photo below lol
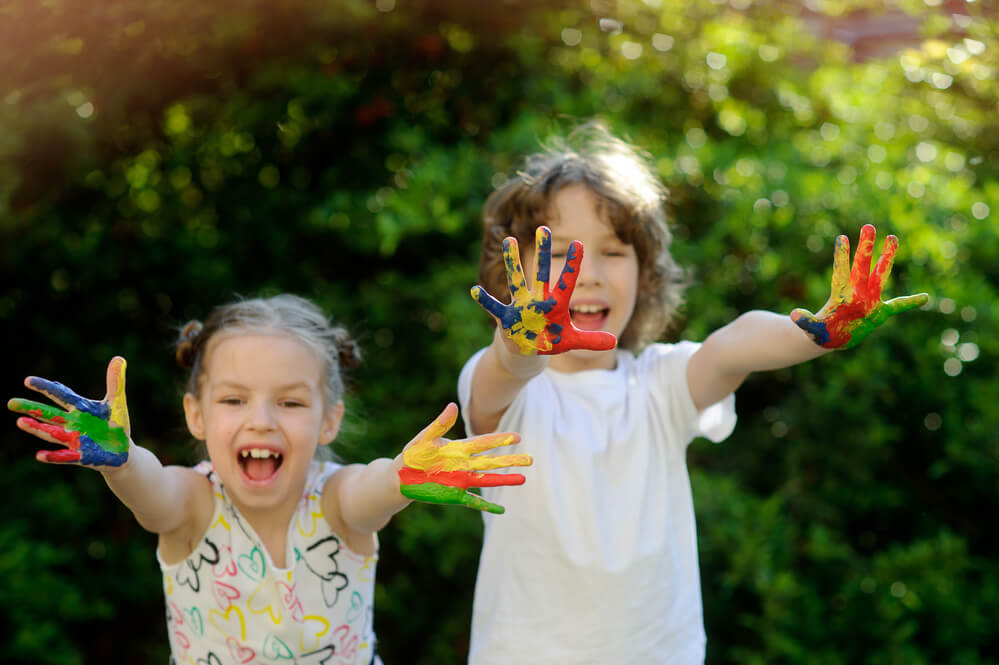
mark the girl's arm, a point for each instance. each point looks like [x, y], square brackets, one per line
[96, 434]
[430, 468]
[535, 324]
[759, 341]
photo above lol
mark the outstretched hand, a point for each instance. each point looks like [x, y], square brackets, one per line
[537, 319]
[441, 471]
[95, 433]
[854, 308]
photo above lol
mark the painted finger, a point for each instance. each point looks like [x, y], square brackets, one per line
[463, 479]
[487, 442]
[487, 462]
[542, 256]
[570, 271]
[815, 329]
[841, 264]
[44, 431]
[443, 494]
[514, 271]
[58, 456]
[593, 340]
[44, 412]
[116, 393]
[66, 398]
[440, 425]
[862, 259]
[905, 303]
[488, 303]
[883, 268]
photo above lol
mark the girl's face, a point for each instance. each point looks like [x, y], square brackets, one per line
[605, 294]
[261, 414]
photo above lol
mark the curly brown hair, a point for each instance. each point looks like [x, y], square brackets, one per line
[630, 197]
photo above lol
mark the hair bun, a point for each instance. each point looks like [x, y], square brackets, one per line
[189, 343]
[348, 352]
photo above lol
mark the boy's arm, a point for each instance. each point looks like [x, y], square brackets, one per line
[96, 434]
[756, 341]
[499, 376]
[759, 341]
[430, 469]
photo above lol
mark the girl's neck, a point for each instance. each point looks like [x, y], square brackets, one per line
[271, 527]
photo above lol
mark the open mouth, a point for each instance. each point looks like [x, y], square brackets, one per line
[589, 317]
[259, 464]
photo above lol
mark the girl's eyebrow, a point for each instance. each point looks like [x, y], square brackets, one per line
[234, 385]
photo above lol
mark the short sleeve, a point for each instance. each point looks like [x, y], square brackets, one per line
[667, 367]
[465, 389]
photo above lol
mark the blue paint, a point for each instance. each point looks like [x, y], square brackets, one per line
[568, 268]
[544, 246]
[64, 395]
[92, 454]
[817, 329]
[544, 306]
[555, 330]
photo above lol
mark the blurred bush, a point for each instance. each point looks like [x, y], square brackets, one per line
[158, 157]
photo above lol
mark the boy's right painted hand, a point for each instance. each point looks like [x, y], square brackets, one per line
[95, 433]
[441, 471]
[537, 319]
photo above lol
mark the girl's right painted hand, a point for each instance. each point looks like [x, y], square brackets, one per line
[95, 433]
[537, 319]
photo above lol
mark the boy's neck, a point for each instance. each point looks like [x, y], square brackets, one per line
[581, 361]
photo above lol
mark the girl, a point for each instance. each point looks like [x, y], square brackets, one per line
[596, 561]
[267, 553]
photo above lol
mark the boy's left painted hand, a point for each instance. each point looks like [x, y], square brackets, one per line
[538, 319]
[441, 471]
[854, 308]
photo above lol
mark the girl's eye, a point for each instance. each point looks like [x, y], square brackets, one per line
[231, 401]
[292, 403]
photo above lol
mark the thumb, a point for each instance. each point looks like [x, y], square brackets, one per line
[116, 393]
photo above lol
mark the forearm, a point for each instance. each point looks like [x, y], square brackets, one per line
[151, 491]
[756, 341]
[369, 495]
[759, 341]
[499, 376]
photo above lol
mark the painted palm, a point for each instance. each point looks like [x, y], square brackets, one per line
[441, 471]
[537, 318]
[855, 308]
[94, 433]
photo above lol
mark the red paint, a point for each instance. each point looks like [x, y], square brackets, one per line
[464, 479]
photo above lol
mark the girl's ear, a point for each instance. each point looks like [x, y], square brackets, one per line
[195, 418]
[331, 424]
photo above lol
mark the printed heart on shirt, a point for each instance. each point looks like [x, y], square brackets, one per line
[242, 654]
[210, 659]
[226, 566]
[225, 594]
[290, 601]
[275, 649]
[230, 627]
[314, 627]
[187, 572]
[252, 564]
[322, 656]
[260, 601]
[194, 619]
[356, 607]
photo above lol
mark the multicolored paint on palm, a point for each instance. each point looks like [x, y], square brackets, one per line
[537, 318]
[440, 471]
[95, 433]
[854, 308]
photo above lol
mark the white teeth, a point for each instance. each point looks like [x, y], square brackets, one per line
[257, 453]
[588, 309]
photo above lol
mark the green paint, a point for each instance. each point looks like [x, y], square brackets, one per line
[110, 437]
[445, 494]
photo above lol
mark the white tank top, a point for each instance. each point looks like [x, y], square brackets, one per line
[228, 604]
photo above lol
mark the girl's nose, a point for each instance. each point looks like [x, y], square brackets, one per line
[261, 417]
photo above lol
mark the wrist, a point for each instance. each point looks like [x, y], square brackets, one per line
[513, 362]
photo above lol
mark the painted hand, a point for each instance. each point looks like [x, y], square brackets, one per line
[538, 319]
[94, 433]
[441, 471]
[854, 308]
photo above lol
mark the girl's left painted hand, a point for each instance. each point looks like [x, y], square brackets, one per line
[538, 319]
[441, 471]
[95, 433]
[854, 308]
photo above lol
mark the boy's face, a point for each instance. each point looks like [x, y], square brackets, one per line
[605, 294]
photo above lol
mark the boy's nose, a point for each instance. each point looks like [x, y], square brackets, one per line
[590, 271]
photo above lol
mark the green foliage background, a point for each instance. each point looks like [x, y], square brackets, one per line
[157, 157]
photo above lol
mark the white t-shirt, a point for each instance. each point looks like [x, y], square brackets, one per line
[595, 559]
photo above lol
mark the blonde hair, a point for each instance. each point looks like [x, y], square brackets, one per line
[629, 196]
[285, 313]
